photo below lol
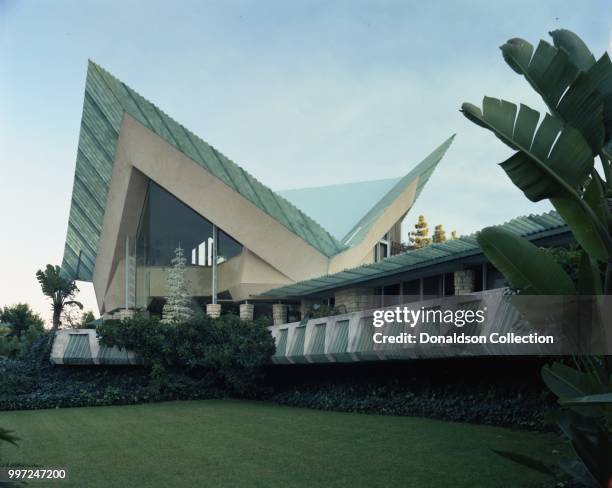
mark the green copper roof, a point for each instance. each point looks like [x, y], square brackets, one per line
[106, 100]
[422, 171]
[530, 227]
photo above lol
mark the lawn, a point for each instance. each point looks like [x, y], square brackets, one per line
[236, 443]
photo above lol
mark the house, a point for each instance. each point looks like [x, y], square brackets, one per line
[317, 260]
[145, 185]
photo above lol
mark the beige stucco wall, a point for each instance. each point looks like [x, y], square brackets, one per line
[123, 207]
[274, 256]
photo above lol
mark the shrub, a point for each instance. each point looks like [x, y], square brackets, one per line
[32, 382]
[21, 319]
[21, 326]
[225, 353]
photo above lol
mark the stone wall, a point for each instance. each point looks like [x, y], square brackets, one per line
[354, 299]
[279, 313]
[465, 281]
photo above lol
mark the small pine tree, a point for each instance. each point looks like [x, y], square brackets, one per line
[420, 237]
[178, 302]
[439, 234]
[453, 235]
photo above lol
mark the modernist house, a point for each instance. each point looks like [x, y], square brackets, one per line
[145, 185]
[316, 259]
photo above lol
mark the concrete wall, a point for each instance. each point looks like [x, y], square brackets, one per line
[62, 337]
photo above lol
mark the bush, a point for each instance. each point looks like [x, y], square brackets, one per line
[32, 382]
[225, 353]
[21, 319]
[21, 326]
[493, 391]
[205, 358]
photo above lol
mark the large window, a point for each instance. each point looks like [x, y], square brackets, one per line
[168, 223]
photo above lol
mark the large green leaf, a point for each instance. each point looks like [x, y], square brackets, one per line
[595, 453]
[579, 472]
[579, 223]
[577, 50]
[601, 75]
[601, 399]
[526, 266]
[552, 162]
[529, 462]
[595, 197]
[566, 382]
[571, 94]
[589, 276]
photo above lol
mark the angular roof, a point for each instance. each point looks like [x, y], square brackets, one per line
[531, 227]
[339, 207]
[349, 210]
[106, 100]
[422, 171]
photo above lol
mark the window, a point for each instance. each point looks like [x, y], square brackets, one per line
[168, 223]
[165, 224]
[432, 286]
[411, 291]
[381, 250]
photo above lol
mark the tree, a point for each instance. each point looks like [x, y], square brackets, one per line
[19, 327]
[77, 319]
[20, 318]
[178, 302]
[59, 289]
[86, 318]
[555, 160]
[439, 234]
[420, 237]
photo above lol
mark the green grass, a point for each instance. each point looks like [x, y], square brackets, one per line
[235, 443]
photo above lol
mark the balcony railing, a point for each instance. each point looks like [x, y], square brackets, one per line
[350, 337]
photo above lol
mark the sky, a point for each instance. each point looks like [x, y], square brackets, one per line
[300, 93]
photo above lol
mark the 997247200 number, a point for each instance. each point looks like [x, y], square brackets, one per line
[32, 474]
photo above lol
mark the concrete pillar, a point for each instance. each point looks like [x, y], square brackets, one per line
[247, 310]
[354, 299]
[213, 310]
[465, 281]
[279, 313]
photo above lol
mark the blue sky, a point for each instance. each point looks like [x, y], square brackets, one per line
[300, 93]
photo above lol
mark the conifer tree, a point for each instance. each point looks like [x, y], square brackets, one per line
[178, 302]
[439, 234]
[420, 237]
